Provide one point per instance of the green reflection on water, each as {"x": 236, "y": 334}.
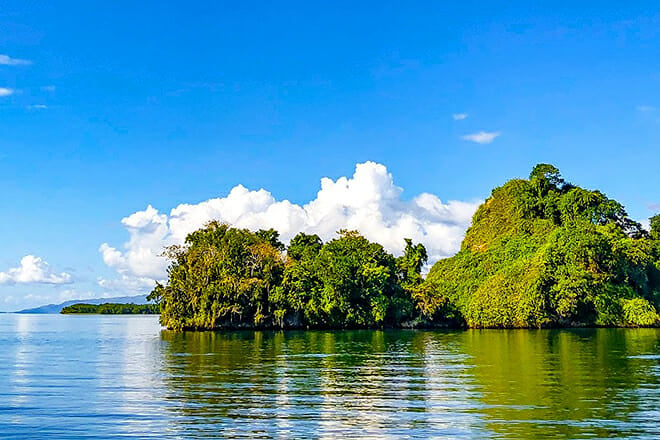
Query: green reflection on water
{"x": 566, "y": 383}
{"x": 478, "y": 383}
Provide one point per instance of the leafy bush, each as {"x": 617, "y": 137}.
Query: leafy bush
{"x": 639, "y": 312}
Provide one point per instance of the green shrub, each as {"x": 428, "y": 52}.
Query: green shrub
{"x": 639, "y": 312}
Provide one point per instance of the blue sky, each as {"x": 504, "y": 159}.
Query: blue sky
{"x": 110, "y": 107}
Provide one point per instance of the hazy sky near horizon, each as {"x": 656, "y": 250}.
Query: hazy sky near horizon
{"x": 124, "y": 125}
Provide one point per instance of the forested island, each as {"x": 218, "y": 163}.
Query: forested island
{"x": 112, "y": 309}
{"x": 541, "y": 252}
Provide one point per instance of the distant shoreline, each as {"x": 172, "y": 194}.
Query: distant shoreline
{"x": 111, "y": 309}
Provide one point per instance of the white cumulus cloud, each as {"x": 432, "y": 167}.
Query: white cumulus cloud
{"x": 6, "y": 60}
{"x": 369, "y": 202}
{"x": 33, "y": 270}
{"x": 6, "y": 92}
{"x": 459, "y": 116}
{"x": 482, "y": 137}
{"x": 126, "y": 284}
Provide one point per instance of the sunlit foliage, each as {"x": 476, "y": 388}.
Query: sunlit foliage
{"x": 543, "y": 252}
{"x": 225, "y": 277}
{"x": 222, "y": 277}
{"x": 540, "y": 252}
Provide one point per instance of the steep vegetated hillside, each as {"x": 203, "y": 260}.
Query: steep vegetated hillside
{"x": 543, "y": 252}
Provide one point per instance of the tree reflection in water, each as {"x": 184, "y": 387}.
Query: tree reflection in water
{"x": 488, "y": 383}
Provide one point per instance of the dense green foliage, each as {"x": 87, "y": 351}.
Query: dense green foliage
{"x": 349, "y": 282}
{"x": 542, "y": 252}
{"x": 225, "y": 277}
{"x": 222, "y": 277}
{"x": 112, "y": 309}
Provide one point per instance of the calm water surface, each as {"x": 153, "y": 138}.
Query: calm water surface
{"x": 123, "y": 376}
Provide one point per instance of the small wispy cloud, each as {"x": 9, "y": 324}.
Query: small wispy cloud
{"x": 6, "y": 92}
{"x": 654, "y": 206}
{"x": 37, "y": 107}
{"x": 459, "y": 116}
{"x": 482, "y": 137}
{"x": 6, "y": 60}
{"x": 48, "y": 88}
{"x": 645, "y": 108}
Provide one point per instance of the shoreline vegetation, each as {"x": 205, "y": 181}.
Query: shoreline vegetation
{"x": 111, "y": 309}
{"x": 541, "y": 252}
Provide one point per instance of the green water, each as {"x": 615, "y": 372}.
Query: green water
{"x": 111, "y": 376}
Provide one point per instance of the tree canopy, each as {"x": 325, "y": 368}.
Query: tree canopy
{"x": 540, "y": 252}
{"x": 112, "y": 309}
{"x": 226, "y": 277}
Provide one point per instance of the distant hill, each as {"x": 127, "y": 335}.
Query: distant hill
{"x": 57, "y": 308}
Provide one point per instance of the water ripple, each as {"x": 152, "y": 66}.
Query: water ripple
{"x": 108, "y": 376}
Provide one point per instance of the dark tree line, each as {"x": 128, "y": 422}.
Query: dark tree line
{"x": 112, "y": 309}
